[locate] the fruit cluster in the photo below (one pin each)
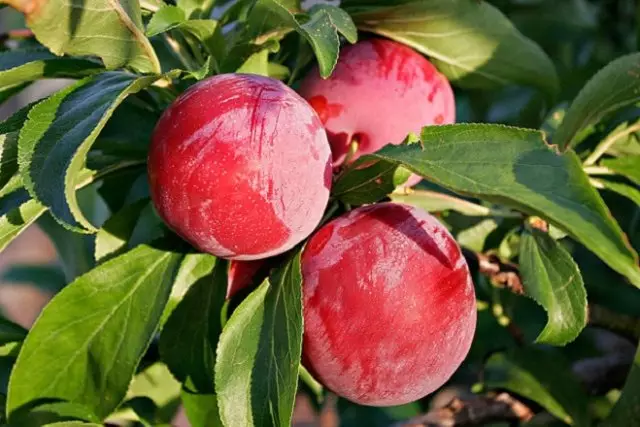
(241, 167)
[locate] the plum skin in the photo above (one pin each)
(379, 92)
(240, 167)
(389, 305)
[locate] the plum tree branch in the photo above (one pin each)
(476, 411)
(506, 275)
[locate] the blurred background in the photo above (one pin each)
(581, 36)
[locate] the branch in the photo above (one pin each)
(506, 275)
(473, 412)
(502, 274)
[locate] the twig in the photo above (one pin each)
(598, 170)
(501, 274)
(329, 415)
(608, 142)
(473, 412)
(21, 33)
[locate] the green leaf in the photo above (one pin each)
(156, 383)
(89, 339)
(7, 93)
(165, 19)
(48, 278)
(552, 278)
(193, 268)
(320, 29)
(365, 183)
(196, 8)
(432, 201)
(503, 165)
(189, 338)
(628, 406)
(16, 121)
(56, 138)
(10, 331)
(144, 407)
(110, 29)
(73, 424)
(17, 219)
(475, 236)
(259, 351)
(114, 234)
(613, 87)
(201, 409)
(471, 42)
(258, 63)
(75, 251)
(205, 30)
(339, 18)
(9, 132)
(542, 377)
(20, 66)
(628, 166)
(8, 158)
(624, 190)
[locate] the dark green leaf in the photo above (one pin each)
(627, 408)
(10, 331)
(20, 66)
(17, 119)
(552, 278)
(91, 336)
(144, 407)
(74, 250)
(503, 164)
(543, 378)
(201, 409)
(119, 138)
(48, 278)
(109, 29)
(7, 93)
(613, 87)
(365, 183)
(259, 353)
(471, 42)
(624, 190)
(61, 130)
(628, 166)
(189, 338)
(112, 238)
(8, 158)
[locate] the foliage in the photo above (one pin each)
(539, 179)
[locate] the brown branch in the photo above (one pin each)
(473, 412)
(501, 274)
(22, 33)
(506, 275)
